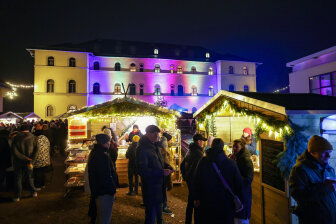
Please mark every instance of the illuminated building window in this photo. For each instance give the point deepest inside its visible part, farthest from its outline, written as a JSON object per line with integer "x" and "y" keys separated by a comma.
{"x": 231, "y": 87}
{"x": 324, "y": 84}
{"x": 51, "y": 61}
{"x": 117, "y": 66}
{"x": 231, "y": 70}
{"x": 96, "y": 88}
{"x": 141, "y": 89}
{"x": 132, "y": 89}
{"x": 157, "y": 68}
{"x": 50, "y": 86}
{"x": 179, "y": 69}
{"x": 245, "y": 70}
{"x": 172, "y": 90}
{"x": 117, "y": 89}
{"x": 141, "y": 67}
{"x": 132, "y": 67}
{"x": 207, "y": 55}
{"x": 211, "y": 91}
{"x": 72, "y": 108}
{"x": 96, "y": 65}
{"x": 210, "y": 71}
{"x": 180, "y": 90}
{"x": 72, "y": 62}
{"x": 157, "y": 89}
{"x": 156, "y": 51}
{"x": 171, "y": 68}
{"x": 193, "y": 91}
{"x": 50, "y": 111}
{"x": 193, "y": 69}
{"x": 246, "y": 88}
{"x": 72, "y": 86}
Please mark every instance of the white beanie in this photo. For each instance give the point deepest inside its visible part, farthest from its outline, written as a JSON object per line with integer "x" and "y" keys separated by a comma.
{"x": 108, "y": 132}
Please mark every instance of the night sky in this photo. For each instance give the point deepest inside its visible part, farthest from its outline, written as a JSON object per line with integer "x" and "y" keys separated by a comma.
{"x": 271, "y": 32}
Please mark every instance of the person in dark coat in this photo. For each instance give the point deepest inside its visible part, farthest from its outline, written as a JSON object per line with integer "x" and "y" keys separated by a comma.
{"x": 312, "y": 184}
{"x": 132, "y": 170}
{"x": 24, "y": 151}
{"x": 102, "y": 178}
{"x": 241, "y": 155}
{"x": 5, "y": 156}
{"x": 211, "y": 197}
{"x": 135, "y": 131}
{"x": 188, "y": 167}
{"x": 151, "y": 170}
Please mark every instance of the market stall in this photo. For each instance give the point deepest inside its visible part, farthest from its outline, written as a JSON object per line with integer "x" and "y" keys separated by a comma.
{"x": 225, "y": 116}
{"x": 121, "y": 114}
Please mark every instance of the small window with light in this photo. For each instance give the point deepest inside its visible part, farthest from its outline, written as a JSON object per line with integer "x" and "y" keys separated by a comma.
{"x": 245, "y": 70}
{"x": 171, "y": 68}
{"x": 179, "y": 69}
{"x": 193, "y": 91}
{"x": 207, "y": 55}
{"x": 156, "y": 51}
{"x": 193, "y": 69}
{"x": 157, "y": 68}
{"x": 210, "y": 71}
{"x": 132, "y": 67}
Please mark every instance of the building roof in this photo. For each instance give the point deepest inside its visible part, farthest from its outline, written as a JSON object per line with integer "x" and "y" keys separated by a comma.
{"x": 295, "y": 101}
{"x": 28, "y": 115}
{"x": 136, "y": 49}
{"x": 278, "y": 112}
{"x": 312, "y": 56}
{"x": 9, "y": 114}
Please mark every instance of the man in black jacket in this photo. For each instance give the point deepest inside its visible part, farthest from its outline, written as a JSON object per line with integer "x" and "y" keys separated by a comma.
{"x": 24, "y": 149}
{"x": 102, "y": 178}
{"x": 188, "y": 167}
{"x": 151, "y": 169}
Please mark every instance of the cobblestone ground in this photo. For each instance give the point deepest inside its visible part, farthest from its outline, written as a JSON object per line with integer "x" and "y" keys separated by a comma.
{"x": 52, "y": 207}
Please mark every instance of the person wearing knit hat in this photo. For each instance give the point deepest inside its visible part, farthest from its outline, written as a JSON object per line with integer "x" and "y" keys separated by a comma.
{"x": 250, "y": 142}
{"x": 312, "y": 183}
{"x": 103, "y": 179}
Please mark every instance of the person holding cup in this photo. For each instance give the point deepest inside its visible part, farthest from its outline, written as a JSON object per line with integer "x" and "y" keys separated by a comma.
{"x": 312, "y": 183}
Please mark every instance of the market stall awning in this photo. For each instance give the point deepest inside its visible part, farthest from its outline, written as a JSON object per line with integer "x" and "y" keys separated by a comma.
{"x": 30, "y": 115}
{"x": 9, "y": 115}
{"x": 124, "y": 106}
{"x": 244, "y": 102}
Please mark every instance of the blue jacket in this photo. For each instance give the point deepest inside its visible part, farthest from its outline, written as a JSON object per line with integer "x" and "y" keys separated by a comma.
{"x": 316, "y": 202}
{"x": 102, "y": 175}
{"x": 150, "y": 167}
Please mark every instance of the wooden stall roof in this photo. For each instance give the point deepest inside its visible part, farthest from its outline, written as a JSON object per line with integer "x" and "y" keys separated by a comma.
{"x": 9, "y": 114}
{"x": 252, "y": 104}
{"x": 118, "y": 104}
{"x": 28, "y": 115}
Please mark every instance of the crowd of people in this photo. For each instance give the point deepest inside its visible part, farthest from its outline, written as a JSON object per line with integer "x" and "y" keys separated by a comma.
{"x": 25, "y": 152}
{"x": 219, "y": 185}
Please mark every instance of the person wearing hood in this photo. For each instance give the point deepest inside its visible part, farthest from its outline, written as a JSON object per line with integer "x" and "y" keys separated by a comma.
{"x": 102, "y": 178}
{"x": 151, "y": 170}
{"x": 188, "y": 167}
{"x": 5, "y": 156}
{"x": 312, "y": 183}
{"x": 132, "y": 171}
{"x": 213, "y": 199}
{"x": 250, "y": 142}
{"x": 24, "y": 151}
{"x": 242, "y": 157}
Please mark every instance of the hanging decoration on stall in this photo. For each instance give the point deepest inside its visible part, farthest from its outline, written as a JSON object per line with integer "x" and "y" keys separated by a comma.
{"x": 296, "y": 144}
{"x": 273, "y": 127}
{"x": 77, "y": 128}
{"x": 213, "y": 128}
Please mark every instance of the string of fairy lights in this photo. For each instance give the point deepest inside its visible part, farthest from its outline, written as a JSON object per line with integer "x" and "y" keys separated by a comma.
{"x": 281, "y": 89}
{"x": 12, "y": 94}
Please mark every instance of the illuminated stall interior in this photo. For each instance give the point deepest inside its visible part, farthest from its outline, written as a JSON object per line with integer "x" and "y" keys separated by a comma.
{"x": 121, "y": 114}
{"x": 10, "y": 118}
{"x": 225, "y": 116}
